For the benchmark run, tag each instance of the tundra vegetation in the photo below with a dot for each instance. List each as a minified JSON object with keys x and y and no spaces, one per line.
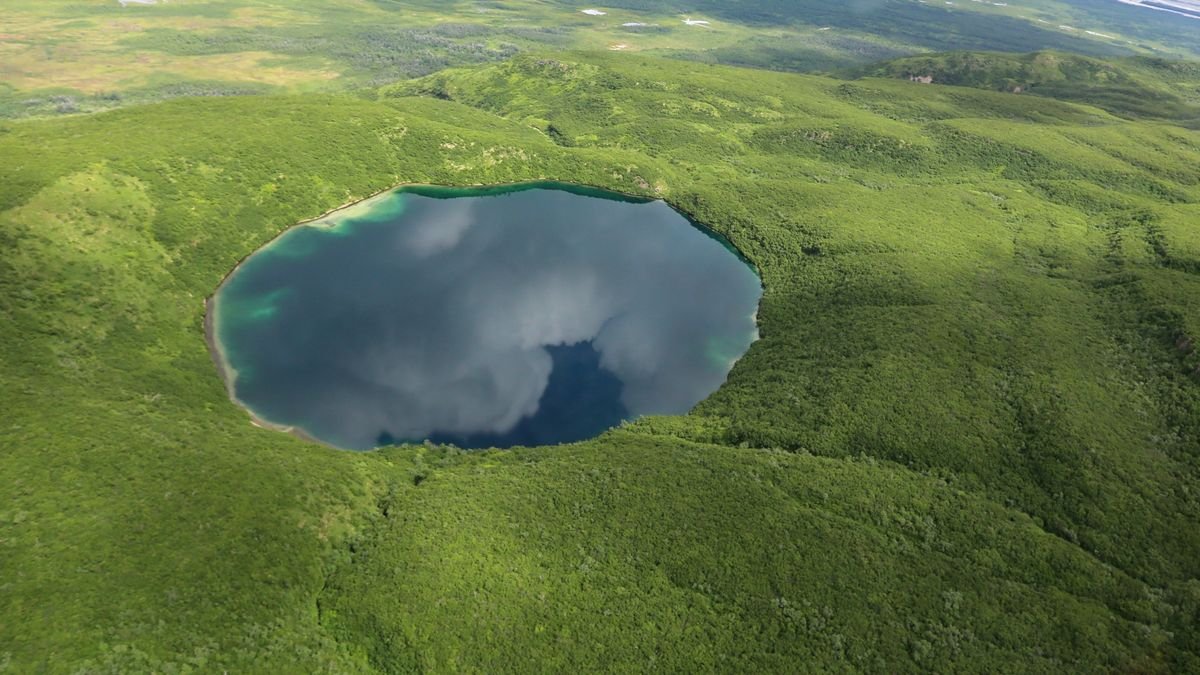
{"x":968,"y":440}
{"x":65,"y":56}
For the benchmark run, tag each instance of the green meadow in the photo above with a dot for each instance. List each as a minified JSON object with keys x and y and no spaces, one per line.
{"x":967,"y":440}
{"x":62,"y":57}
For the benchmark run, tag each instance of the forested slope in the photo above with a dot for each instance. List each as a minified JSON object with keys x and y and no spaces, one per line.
{"x":968,"y":439}
{"x":1146,"y":88}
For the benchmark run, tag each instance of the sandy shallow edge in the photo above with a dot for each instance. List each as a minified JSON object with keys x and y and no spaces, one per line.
{"x":229,"y":376}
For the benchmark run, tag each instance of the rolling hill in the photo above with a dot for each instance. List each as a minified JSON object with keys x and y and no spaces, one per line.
{"x":1137,"y":87}
{"x":968,"y":439}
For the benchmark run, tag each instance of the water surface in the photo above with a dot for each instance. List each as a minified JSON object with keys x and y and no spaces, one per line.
{"x":490,"y":317}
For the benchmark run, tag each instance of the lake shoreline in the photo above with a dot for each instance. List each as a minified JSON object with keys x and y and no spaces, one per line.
{"x":228,"y":374}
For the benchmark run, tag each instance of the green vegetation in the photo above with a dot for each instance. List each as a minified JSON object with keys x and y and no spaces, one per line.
{"x":967,"y":440}
{"x":65,"y":57}
{"x":1024,"y":26}
{"x":1138,"y":87}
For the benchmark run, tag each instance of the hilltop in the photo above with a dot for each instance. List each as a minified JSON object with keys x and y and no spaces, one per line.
{"x":967,"y":439}
{"x":1138,"y":87}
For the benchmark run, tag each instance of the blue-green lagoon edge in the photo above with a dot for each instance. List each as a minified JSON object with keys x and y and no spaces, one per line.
{"x":528,"y":314}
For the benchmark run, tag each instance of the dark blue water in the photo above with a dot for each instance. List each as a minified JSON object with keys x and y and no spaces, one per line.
{"x":493,"y":317}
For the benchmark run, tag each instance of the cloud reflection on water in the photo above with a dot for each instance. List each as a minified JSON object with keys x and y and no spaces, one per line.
{"x":437,"y":320}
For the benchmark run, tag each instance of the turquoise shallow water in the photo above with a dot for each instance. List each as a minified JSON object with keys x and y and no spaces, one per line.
{"x":488,"y":317}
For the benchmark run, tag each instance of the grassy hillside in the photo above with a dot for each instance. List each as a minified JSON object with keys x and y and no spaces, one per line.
{"x":967,"y":440}
{"x":1137,"y":87}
